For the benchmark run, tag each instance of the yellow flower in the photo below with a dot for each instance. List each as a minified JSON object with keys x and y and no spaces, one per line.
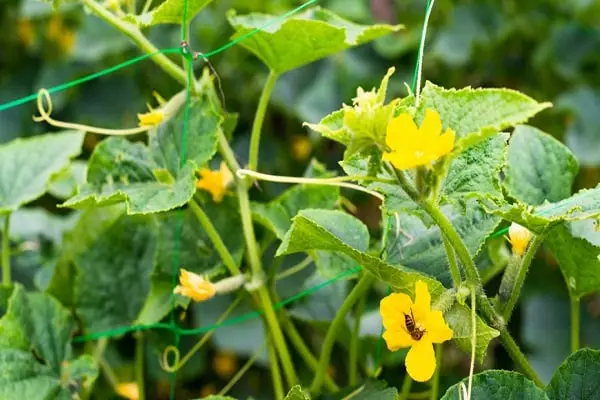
{"x":66,"y":40}
{"x":54,"y":27}
{"x":194,"y":286}
{"x":414,"y":325}
{"x":151,"y":118}
{"x":26,"y":32}
{"x":225,"y":364}
{"x":519,"y":238}
{"x":215,"y":182}
{"x":128,"y":390}
{"x":411,"y":146}
{"x":301,"y":147}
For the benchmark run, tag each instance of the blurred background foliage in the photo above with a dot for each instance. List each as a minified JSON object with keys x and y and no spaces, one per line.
{"x":548,"y":49}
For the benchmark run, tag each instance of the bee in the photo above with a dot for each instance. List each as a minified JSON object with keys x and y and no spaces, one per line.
{"x":415,"y":332}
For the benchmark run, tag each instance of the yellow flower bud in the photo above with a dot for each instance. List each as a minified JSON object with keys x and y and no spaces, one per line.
{"x":519,"y":238}
{"x":151,"y":118}
{"x":194,"y":286}
{"x":128,"y":390}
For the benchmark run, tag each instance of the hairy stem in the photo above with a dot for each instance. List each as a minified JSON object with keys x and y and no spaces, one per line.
{"x":6,"y":251}
{"x":259,"y":117}
{"x":354,"y":342}
{"x":521,"y":275}
{"x":518,"y":357}
{"x":139,"y":39}
{"x":364,"y":283}
{"x":454,"y":271}
{"x":575,"y":323}
{"x":215,"y":238}
{"x":139,"y":365}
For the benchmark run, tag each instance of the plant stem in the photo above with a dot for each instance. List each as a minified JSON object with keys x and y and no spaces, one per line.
{"x":405,"y":389}
{"x":435,"y":383}
{"x":364,"y":283}
{"x":454,"y":271}
{"x":354,"y":342}
{"x":259,"y":117}
{"x":575,"y":323}
{"x":215,"y":238}
{"x":147,"y":5}
{"x":275,"y":373}
{"x":522,"y":274}
{"x":131,"y":6}
{"x":518,"y":357}
{"x":304,"y":351}
{"x":242,"y":370}
{"x":6,"y":251}
{"x":139,"y":364}
{"x":139,"y":39}
{"x":294,"y":269}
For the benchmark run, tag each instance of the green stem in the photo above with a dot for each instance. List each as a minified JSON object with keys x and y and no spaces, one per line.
{"x":454,"y":271}
{"x":575,"y":323}
{"x":139,"y":365}
{"x":131,"y":6}
{"x":522,"y":274}
{"x":259,"y":117}
{"x":147,"y":5}
{"x":275,"y":373}
{"x":294,"y":269}
{"x":518,"y":357}
{"x":435,"y":383}
{"x":309,"y":359}
{"x":405,"y":389}
{"x":242,"y":371}
{"x":139,"y":39}
{"x":364,"y":283}
{"x":6,"y":251}
{"x":215,"y":238}
{"x":354,"y":342}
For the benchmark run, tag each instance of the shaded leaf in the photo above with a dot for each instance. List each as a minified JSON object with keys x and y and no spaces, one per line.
{"x":302,"y":38}
{"x":171,"y":12}
{"x":539,"y":167}
{"x":578,"y":378}
{"x":27,"y":166}
{"x":498,"y":385}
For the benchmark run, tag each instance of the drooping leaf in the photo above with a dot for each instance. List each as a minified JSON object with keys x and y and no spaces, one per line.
{"x":539,"y":167}
{"x":578,"y":378}
{"x":498,"y":385}
{"x":578,"y":259}
{"x":302,"y":38}
{"x":296,"y":393}
{"x":27,"y":166}
{"x":337,"y":231}
{"x":421,"y":248}
{"x":114,"y":273}
{"x":171,"y":12}
{"x":475,"y":114}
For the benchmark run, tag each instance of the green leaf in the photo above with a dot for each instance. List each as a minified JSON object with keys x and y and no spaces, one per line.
{"x":540,"y":168}
{"x":114,"y":273}
{"x":578,"y":378}
{"x":498,"y":385}
{"x":82,"y":368}
{"x":27,"y":166}
{"x":296,"y":393}
{"x":421,"y":248}
{"x":578,"y":259}
{"x":477,"y":169}
{"x":302,"y":38}
{"x":370,"y":390}
{"x":170,"y":12}
{"x":64,"y":185}
{"x":475,"y":114}
{"x":338,"y":231}
{"x":23,"y":377}
{"x":122,"y":171}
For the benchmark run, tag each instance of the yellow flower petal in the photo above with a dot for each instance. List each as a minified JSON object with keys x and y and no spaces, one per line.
{"x":194,"y":286}
{"x":402,"y":125}
{"x":519,"y":238}
{"x":431,"y":126}
{"x":151,"y":118}
{"x":420,"y":361}
{"x":422,"y":306}
{"x":397,"y":339}
{"x":128,"y":390}
{"x":392,"y":309}
{"x":445,"y":144}
{"x":436,"y":329}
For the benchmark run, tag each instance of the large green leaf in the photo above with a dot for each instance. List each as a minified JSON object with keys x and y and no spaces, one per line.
{"x":35,"y":349}
{"x":27,"y":166}
{"x":578,"y":378}
{"x":151,"y":179}
{"x":194,"y":251}
{"x":498,"y":385}
{"x":578,"y":259}
{"x":337,"y":231}
{"x":302,"y":38}
{"x":474,"y":114}
{"x":171,"y":12}
{"x":114,"y":273}
{"x":539,"y":167}
{"x":421,"y":248}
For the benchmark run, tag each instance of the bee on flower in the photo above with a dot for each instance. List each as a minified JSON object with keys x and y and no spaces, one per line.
{"x":415,"y":325}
